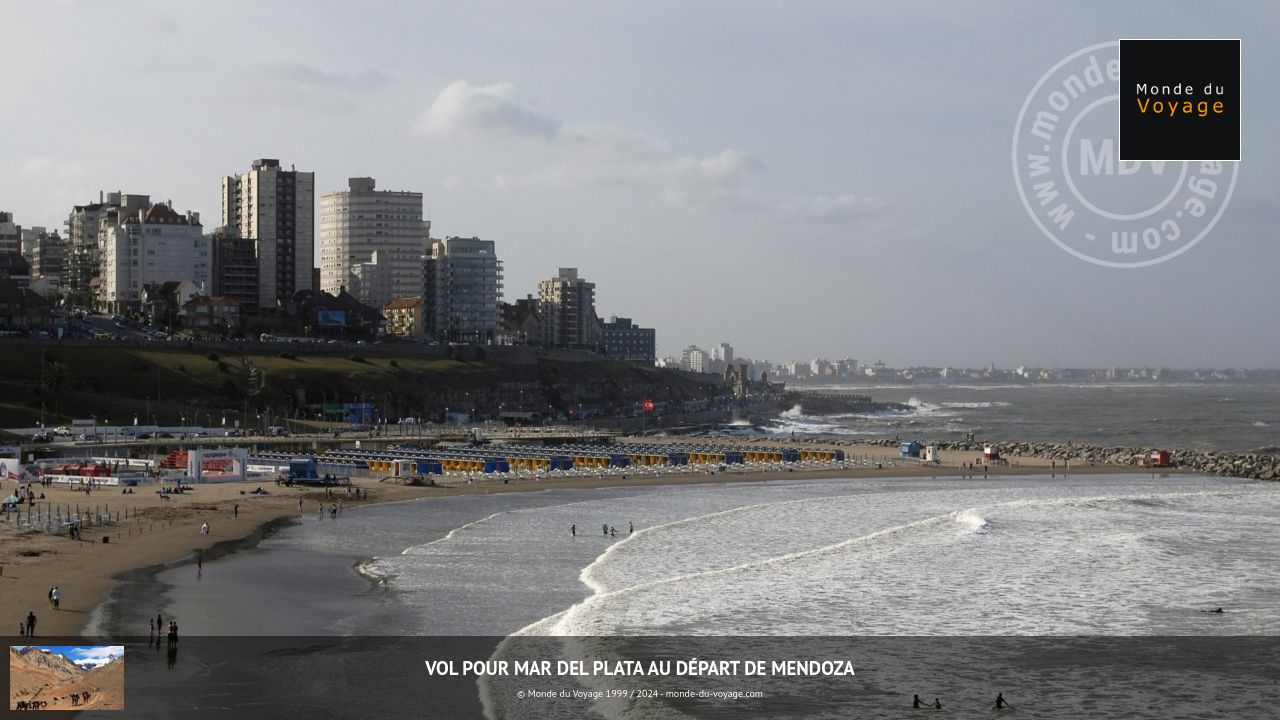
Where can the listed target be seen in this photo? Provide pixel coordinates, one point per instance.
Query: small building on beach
(910, 449)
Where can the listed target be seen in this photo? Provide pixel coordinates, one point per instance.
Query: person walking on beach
(236, 511)
(50, 594)
(299, 506)
(56, 594)
(204, 529)
(151, 630)
(31, 624)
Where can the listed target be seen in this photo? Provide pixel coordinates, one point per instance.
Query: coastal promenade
(310, 441)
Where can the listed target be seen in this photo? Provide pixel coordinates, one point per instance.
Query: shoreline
(88, 571)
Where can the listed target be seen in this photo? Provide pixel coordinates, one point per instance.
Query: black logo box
(1180, 64)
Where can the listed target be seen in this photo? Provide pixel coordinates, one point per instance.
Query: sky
(91, 656)
(819, 179)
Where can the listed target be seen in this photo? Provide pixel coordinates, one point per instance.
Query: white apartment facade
(361, 226)
(153, 246)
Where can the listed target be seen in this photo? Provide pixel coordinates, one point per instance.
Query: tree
(54, 377)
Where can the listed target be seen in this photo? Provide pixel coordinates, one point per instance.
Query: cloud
(463, 108)
(591, 155)
(300, 87)
(96, 656)
(46, 168)
(839, 209)
(299, 73)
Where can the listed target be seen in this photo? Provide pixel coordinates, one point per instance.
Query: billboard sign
(10, 464)
(331, 318)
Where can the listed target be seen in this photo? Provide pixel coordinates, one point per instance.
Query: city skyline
(806, 168)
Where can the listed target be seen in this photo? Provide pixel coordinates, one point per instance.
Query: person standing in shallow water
(573, 530)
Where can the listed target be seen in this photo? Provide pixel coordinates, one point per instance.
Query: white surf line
(454, 532)
(579, 607)
(555, 622)
(595, 587)
(566, 615)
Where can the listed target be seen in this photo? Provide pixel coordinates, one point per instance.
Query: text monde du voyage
(633, 668)
(1179, 100)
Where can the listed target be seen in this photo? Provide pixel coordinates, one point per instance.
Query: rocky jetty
(835, 403)
(1256, 466)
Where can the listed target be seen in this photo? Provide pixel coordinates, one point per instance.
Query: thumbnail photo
(66, 677)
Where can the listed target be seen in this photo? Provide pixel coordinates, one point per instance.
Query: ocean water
(786, 569)
(1026, 555)
(1241, 418)
(1093, 555)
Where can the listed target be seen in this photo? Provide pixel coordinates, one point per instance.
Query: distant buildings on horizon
(820, 371)
(380, 271)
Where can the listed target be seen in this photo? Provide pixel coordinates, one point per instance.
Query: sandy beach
(155, 531)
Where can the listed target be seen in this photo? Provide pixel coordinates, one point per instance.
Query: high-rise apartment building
(622, 339)
(85, 227)
(154, 246)
(235, 268)
(10, 233)
(462, 284)
(568, 307)
(722, 352)
(371, 242)
(45, 251)
(275, 208)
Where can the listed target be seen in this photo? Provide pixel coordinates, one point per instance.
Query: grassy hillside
(116, 383)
